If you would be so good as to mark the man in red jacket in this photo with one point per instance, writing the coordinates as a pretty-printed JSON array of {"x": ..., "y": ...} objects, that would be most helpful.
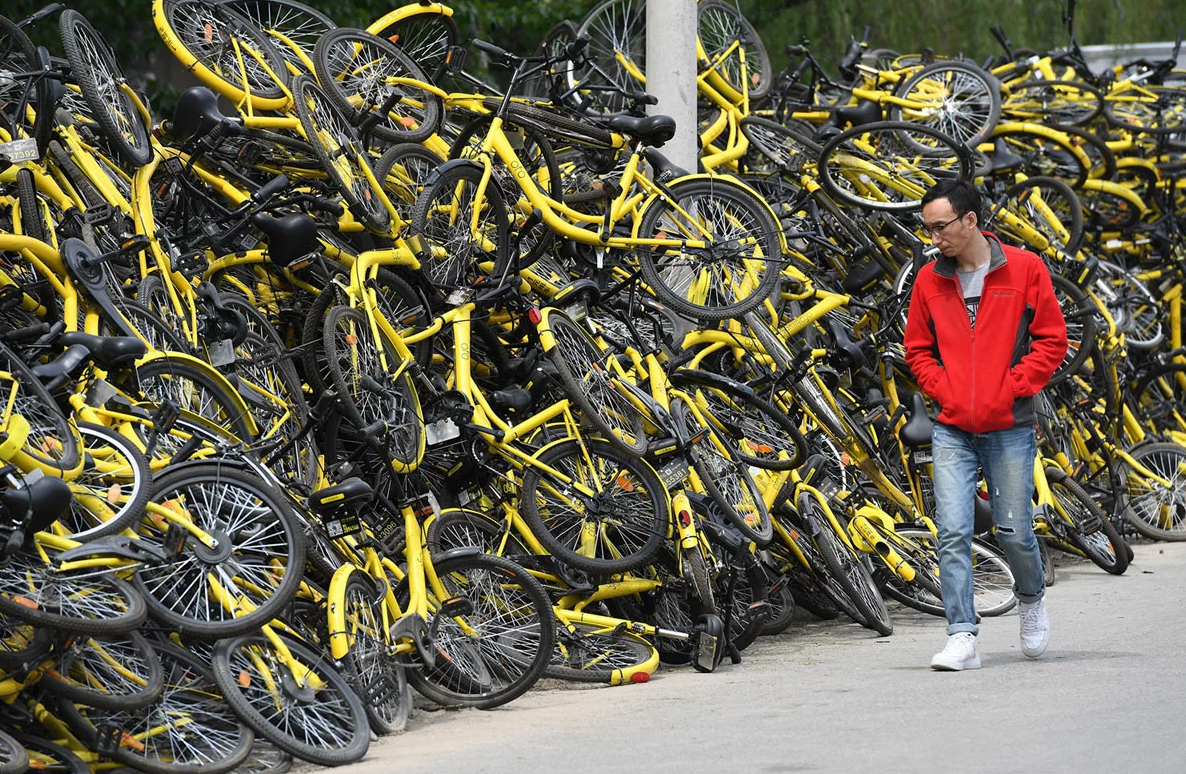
[{"x": 984, "y": 335}]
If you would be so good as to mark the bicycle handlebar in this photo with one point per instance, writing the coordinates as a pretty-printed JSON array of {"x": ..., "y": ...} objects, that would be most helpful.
[{"x": 37, "y": 16}]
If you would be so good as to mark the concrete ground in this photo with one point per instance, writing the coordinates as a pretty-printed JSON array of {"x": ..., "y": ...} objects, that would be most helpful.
[{"x": 1108, "y": 696}]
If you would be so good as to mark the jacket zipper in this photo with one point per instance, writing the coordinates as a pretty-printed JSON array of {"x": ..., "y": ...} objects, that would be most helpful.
[{"x": 972, "y": 328}]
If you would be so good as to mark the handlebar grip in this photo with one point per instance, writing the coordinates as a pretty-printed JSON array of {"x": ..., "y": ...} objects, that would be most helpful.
[
  {"x": 47, "y": 11},
  {"x": 796, "y": 50},
  {"x": 270, "y": 188},
  {"x": 865, "y": 33},
  {"x": 491, "y": 49},
  {"x": 25, "y": 334}
]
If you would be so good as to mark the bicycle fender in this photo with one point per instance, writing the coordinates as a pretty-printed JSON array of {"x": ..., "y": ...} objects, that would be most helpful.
[
  {"x": 213, "y": 373},
  {"x": 339, "y": 641},
  {"x": 450, "y": 165},
  {"x": 389, "y": 18},
  {"x": 454, "y": 553}
]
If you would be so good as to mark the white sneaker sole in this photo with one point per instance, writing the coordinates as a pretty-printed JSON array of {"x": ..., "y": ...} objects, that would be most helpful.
[
  {"x": 955, "y": 666},
  {"x": 1035, "y": 652}
]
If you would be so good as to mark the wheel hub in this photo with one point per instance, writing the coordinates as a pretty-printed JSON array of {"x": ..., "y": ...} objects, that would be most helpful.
[{"x": 219, "y": 552}]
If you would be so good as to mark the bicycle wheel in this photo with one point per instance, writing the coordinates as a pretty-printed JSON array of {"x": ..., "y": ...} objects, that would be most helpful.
[
  {"x": 782, "y": 605},
  {"x": 1090, "y": 530},
  {"x": 202, "y": 399},
  {"x": 756, "y": 429},
  {"x": 1079, "y": 311},
  {"x": 1137, "y": 312},
  {"x": 111, "y": 491},
  {"x": 595, "y": 654},
  {"x": 258, "y": 551},
  {"x": 463, "y": 527},
  {"x": 1156, "y": 507},
  {"x": 43, "y": 755},
  {"x": 17, "y": 55},
  {"x": 785, "y": 147},
  {"x": 889, "y": 165},
  {"x": 465, "y": 238},
  {"x": 992, "y": 579},
  {"x": 340, "y": 153},
  {"x": 307, "y": 709},
  {"x": 102, "y": 82},
  {"x": 361, "y": 73},
  {"x": 34, "y": 591},
  {"x": 1067, "y": 103},
  {"x": 31, "y": 219},
  {"x": 426, "y": 35},
  {"x": 737, "y": 268},
  {"x": 403, "y": 171},
  {"x": 588, "y": 381},
  {"x": 1157, "y": 110},
  {"x": 618, "y": 526},
  {"x": 538, "y": 160},
  {"x": 616, "y": 31},
  {"x": 1045, "y": 152},
  {"x": 113, "y": 672},
  {"x": 496, "y": 640},
  {"x": 368, "y": 666},
  {"x": 13, "y": 757},
  {"x": 189, "y": 729},
  {"x": 725, "y": 479},
  {"x": 294, "y": 27},
  {"x": 227, "y": 52},
  {"x": 720, "y": 27},
  {"x": 849, "y": 571},
  {"x": 960, "y": 100},
  {"x": 52, "y": 442},
  {"x": 368, "y": 392},
  {"x": 1048, "y": 205}
]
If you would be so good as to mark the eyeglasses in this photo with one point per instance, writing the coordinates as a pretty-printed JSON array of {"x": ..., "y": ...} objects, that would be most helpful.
[{"x": 937, "y": 228}]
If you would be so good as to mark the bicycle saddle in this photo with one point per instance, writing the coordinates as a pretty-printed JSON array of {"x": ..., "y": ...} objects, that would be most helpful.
[
  {"x": 861, "y": 274},
  {"x": 108, "y": 351},
  {"x": 63, "y": 365},
  {"x": 350, "y": 491},
  {"x": 1002, "y": 159},
  {"x": 651, "y": 130},
  {"x": 864, "y": 112},
  {"x": 289, "y": 236},
  {"x": 197, "y": 112},
  {"x": 43, "y": 500},
  {"x": 848, "y": 352},
  {"x": 916, "y": 433},
  {"x": 664, "y": 168}
]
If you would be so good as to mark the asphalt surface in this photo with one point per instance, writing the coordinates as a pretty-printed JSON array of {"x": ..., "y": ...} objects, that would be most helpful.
[{"x": 1108, "y": 696}]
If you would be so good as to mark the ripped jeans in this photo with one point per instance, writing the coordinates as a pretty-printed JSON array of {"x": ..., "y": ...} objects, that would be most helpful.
[{"x": 1007, "y": 458}]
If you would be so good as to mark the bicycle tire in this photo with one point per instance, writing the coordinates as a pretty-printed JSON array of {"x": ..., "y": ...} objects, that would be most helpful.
[
  {"x": 101, "y": 485},
  {"x": 358, "y": 89},
  {"x": 782, "y": 606},
  {"x": 590, "y": 654},
  {"x": 674, "y": 273},
  {"x": 295, "y": 26},
  {"x": 200, "y": 396},
  {"x": 1079, "y": 311},
  {"x": 1136, "y": 310},
  {"x": 1112, "y": 557},
  {"x": 851, "y": 574},
  {"x": 52, "y": 758},
  {"x": 719, "y": 26},
  {"x": 213, "y": 36},
  {"x": 465, "y": 527},
  {"x": 189, "y": 729},
  {"x": 453, "y": 257},
  {"x": 726, "y": 480},
  {"x": 403, "y": 170},
  {"x": 1154, "y": 510},
  {"x": 52, "y": 443},
  {"x": 915, "y": 156},
  {"x": 30, "y": 590},
  {"x": 1145, "y": 113},
  {"x": 14, "y": 759},
  {"x": 340, "y": 153},
  {"x": 425, "y": 35},
  {"x": 581, "y": 366},
  {"x": 101, "y": 79},
  {"x": 352, "y": 363},
  {"x": 1066, "y": 103},
  {"x": 537, "y": 156},
  {"x": 31, "y": 220},
  {"x": 787, "y": 147},
  {"x": 1046, "y": 151},
  {"x": 512, "y": 658},
  {"x": 367, "y": 663},
  {"x": 1058, "y": 199},
  {"x": 992, "y": 579},
  {"x": 18, "y": 55},
  {"x": 626, "y": 478},
  {"x": 967, "y": 90},
  {"x": 614, "y": 28},
  {"x": 89, "y": 680},
  {"x": 255, "y": 530}
]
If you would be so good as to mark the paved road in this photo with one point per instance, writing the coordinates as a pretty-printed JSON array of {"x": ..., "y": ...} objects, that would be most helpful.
[{"x": 1109, "y": 696}]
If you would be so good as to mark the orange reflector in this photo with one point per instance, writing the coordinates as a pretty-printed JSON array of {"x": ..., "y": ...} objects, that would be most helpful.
[
  {"x": 26, "y": 602},
  {"x": 640, "y": 677},
  {"x": 351, "y": 339},
  {"x": 625, "y": 483},
  {"x": 244, "y": 678},
  {"x": 760, "y": 448},
  {"x": 395, "y": 39},
  {"x": 131, "y": 741},
  {"x": 209, "y": 32},
  {"x": 845, "y": 459},
  {"x": 408, "y": 121},
  {"x": 113, "y": 493},
  {"x": 795, "y": 534}
]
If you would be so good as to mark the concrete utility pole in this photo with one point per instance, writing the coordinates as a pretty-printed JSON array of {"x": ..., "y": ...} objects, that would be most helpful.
[{"x": 671, "y": 74}]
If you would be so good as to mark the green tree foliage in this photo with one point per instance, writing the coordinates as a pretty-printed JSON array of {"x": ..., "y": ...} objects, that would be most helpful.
[{"x": 947, "y": 27}]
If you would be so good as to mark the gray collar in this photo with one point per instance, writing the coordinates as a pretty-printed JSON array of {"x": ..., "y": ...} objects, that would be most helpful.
[{"x": 945, "y": 266}]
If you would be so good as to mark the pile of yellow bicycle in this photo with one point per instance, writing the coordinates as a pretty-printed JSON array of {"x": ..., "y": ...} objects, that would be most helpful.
[{"x": 359, "y": 374}]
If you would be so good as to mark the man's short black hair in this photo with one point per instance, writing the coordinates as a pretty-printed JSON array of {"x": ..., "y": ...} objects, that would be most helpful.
[{"x": 962, "y": 195}]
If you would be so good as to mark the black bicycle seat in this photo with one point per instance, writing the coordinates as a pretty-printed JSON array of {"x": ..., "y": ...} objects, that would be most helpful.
[
  {"x": 652, "y": 130},
  {"x": 197, "y": 112},
  {"x": 63, "y": 365},
  {"x": 350, "y": 491},
  {"x": 916, "y": 433},
  {"x": 108, "y": 351},
  {"x": 289, "y": 236}
]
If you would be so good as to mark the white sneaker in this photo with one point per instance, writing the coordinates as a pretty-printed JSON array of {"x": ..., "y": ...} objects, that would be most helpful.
[
  {"x": 1035, "y": 628},
  {"x": 961, "y": 653}
]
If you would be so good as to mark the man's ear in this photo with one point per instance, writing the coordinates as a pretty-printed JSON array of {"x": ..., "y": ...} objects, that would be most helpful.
[{"x": 975, "y": 220}]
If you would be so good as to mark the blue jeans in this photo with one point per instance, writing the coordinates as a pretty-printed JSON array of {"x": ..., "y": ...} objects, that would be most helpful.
[{"x": 1007, "y": 459}]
